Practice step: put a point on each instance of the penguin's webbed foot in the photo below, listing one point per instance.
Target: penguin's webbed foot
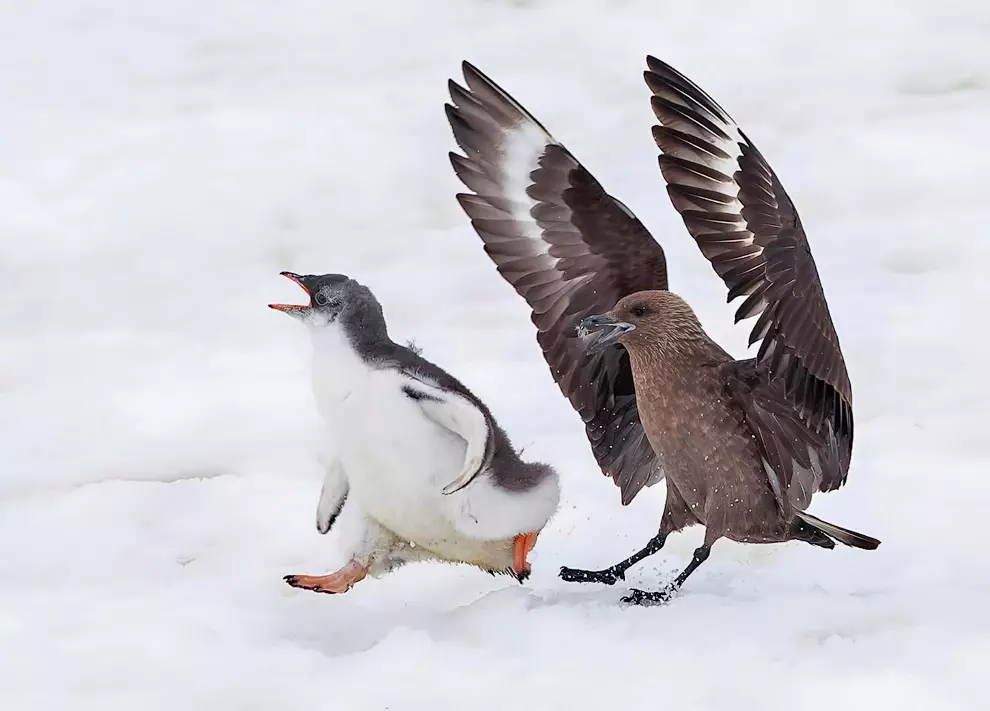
(335, 583)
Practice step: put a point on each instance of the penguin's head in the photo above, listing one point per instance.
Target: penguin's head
(332, 298)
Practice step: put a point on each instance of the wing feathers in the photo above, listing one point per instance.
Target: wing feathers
(459, 415)
(333, 495)
(565, 246)
(745, 224)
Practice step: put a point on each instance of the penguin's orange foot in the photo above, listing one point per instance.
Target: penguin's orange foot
(334, 583)
(521, 546)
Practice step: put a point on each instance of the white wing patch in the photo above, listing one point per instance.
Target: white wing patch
(459, 415)
(501, 177)
(521, 150)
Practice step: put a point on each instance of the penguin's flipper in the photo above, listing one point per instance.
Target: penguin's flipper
(458, 414)
(332, 496)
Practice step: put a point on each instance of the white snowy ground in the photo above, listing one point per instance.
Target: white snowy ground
(159, 451)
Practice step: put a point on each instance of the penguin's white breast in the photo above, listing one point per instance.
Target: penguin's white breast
(395, 458)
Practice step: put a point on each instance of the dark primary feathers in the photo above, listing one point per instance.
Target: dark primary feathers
(568, 248)
(796, 394)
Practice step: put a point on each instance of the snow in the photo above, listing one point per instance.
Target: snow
(160, 451)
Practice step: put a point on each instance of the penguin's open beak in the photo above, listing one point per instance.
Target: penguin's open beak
(293, 309)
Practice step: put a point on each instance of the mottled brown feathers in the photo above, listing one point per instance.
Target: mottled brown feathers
(797, 390)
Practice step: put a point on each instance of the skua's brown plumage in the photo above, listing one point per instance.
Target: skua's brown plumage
(743, 444)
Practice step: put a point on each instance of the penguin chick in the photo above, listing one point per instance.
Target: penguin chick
(420, 458)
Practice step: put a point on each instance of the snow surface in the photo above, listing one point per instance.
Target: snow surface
(160, 452)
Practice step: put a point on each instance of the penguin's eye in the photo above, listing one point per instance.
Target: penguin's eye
(324, 297)
(639, 311)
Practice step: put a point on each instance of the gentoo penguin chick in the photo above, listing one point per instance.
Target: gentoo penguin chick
(418, 455)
